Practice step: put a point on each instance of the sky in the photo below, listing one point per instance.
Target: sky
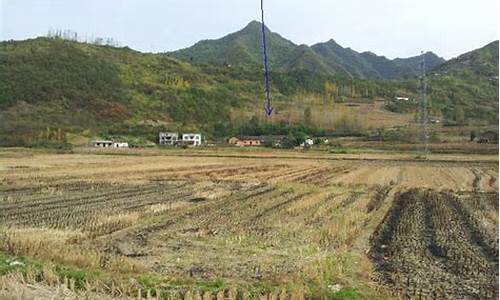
(394, 28)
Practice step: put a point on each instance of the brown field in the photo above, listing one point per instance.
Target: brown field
(368, 114)
(268, 225)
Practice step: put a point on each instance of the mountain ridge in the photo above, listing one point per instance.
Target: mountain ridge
(326, 57)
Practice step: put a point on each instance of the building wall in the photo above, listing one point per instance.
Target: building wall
(168, 138)
(248, 143)
(120, 145)
(194, 138)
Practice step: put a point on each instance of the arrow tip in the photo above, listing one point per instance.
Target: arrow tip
(269, 111)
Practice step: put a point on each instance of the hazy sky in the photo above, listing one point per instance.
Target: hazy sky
(394, 28)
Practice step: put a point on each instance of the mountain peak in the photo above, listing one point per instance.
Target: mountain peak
(243, 47)
(332, 42)
(253, 26)
(254, 23)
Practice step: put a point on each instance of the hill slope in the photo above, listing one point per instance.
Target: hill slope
(479, 63)
(74, 86)
(50, 86)
(469, 84)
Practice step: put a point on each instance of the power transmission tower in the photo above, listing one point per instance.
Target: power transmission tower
(423, 112)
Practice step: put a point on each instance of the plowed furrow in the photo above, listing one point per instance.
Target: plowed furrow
(428, 247)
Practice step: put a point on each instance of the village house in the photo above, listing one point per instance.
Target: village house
(191, 139)
(101, 144)
(120, 144)
(307, 143)
(243, 141)
(168, 138)
(108, 144)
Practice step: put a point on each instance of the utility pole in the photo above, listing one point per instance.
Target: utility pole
(269, 109)
(423, 111)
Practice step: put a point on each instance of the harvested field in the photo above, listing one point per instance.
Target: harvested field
(292, 225)
(438, 245)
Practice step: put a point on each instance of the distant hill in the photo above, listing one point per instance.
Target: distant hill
(480, 63)
(346, 59)
(402, 67)
(371, 66)
(469, 83)
(245, 48)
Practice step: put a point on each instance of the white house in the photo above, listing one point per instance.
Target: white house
(192, 138)
(168, 138)
(402, 98)
(120, 145)
(307, 143)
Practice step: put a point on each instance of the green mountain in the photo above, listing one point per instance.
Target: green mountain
(245, 48)
(240, 48)
(304, 58)
(345, 59)
(371, 66)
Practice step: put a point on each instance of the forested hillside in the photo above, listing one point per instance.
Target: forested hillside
(469, 84)
(51, 88)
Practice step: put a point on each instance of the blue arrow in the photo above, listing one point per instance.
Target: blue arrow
(269, 109)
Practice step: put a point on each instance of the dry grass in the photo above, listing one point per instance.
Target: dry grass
(111, 223)
(51, 245)
(325, 114)
(15, 286)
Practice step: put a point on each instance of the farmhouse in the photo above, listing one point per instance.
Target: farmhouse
(120, 144)
(168, 138)
(101, 144)
(191, 139)
(108, 144)
(243, 141)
